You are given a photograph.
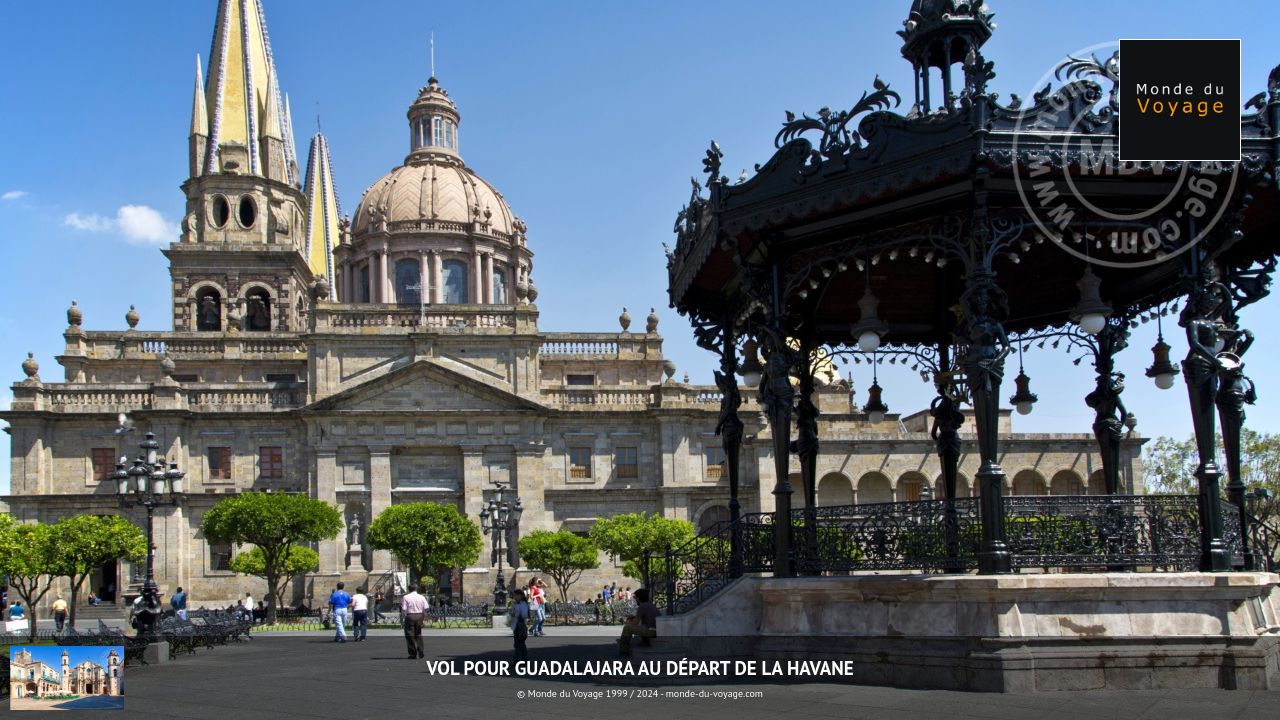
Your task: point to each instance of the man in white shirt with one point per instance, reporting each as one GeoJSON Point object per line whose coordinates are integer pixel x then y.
{"type": "Point", "coordinates": [413, 608]}
{"type": "Point", "coordinates": [359, 614]}
{"type": "Point", "coordinates": [246, 607]}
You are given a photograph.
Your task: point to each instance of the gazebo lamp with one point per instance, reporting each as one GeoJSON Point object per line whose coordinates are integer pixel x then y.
{"type": "Point", "coordinates": [1092, 311]}
{"type": "Point", "coordinates": [1023, 399]}
{"type": "Point", "coordinates": [869, 328]}
{"type": "Point", "coordinates": [1161, 370]}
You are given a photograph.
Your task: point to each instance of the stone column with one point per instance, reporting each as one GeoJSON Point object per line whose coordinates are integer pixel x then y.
{"type": "Point", "coordinates": [487, 277]}
{"type": "Point", "coordinates": [384, 285]}
{"type": "Point", "coordinates": [332, 551]}
{"type": "Point", "coordinates": [477, 274]}
{"type": "Point", "coordinates": [379, 497]}
{"type": "Point", "coordinates": [477, 581]}
{"type": "Point", "coordinates": [424, 278]}
{"type": "Point", "coordinates": [437, 272]}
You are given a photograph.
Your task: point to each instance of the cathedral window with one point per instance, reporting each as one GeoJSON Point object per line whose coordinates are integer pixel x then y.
{"type": "Point", "coordinates": [625, 462]}
{"type": "Point", "coordinates": [104, 463]}
{"type": "Point", "coordinates": [258, 310]}
{"type": "Point", "coordinates": [437, 130]}
{"type": "Point", "coordinates": [715, 462]}
{"type": "Point", "coordinates": [580, 462]}
{"type": "Point", "coordinates": [449, 136]}
{"type": "Point", "coordinates": [208, 310]}
{"type": "Point", "coordinates": [408, 282]}
{"type": "Point", "coordinates": [246, 212]}
{"type": "Point", "coordinates": [572, 379]}
{"type": "Point", "coordinates": [271, 462]}
{"type": "Point", "coordinates": [219, 463]}
{"type": "Point", "coordinates": [454, 279]}
{"type": "Point", "coordinates": [220, 557]}
{"type": "Point", "coordinates": [221, 212]}
{"type": "Point", "coordinates": [499, 285]}
{"type": "Point", "coordinates": [362, 279]}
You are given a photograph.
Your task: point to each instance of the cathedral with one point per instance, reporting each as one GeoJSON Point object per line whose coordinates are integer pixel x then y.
{"type": "Point", "coordinates": [394, 356]}
{"type": "Point", "coordinates": [29, 677]}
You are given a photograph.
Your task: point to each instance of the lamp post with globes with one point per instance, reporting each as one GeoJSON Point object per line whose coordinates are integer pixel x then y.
{"type": "Point", "coordinates": [149, 484]}
{"type": "Point", "coordinates": [499, 518]}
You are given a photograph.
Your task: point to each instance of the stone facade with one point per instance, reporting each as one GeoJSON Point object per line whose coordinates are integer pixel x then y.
{"type": "Point", "coordinates": [30, 678]}
{"type": "Point", "coordinates": [409, 366]}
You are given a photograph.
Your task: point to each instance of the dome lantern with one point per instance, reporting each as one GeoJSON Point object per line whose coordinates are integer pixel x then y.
{"type": "Point", "coordinates": [433, 122]}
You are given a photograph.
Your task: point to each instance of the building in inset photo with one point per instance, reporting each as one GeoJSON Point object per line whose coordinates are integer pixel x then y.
{"type": "Point", "coordinates": [66, 678]}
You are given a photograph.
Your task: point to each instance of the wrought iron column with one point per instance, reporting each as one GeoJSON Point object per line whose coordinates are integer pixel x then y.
{"type": "Point", "coordinates": [777, 396]}
{"type": "Point", "coordinates": [985, 305]}
{"type": "Point", "coordinates": [729, 428]}
{"type": "Point", "coordinates": [1234, 391]}
{"type": "Point", "coordinates": [947, 419]}
{"type": "Point", "coordinates": [1109, 412]}
{"type": "Point", "coordinates": [1200, 369]}
{"type": "Point", "coordinates": [806, 449]}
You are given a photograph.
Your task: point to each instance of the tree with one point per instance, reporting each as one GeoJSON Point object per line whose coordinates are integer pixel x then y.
{"type": "Point", "coordinates": [84, 542]}
{"type": "Point", "coordinates": [1170, 465]}
{"type": "Point", "coordinates": [426, 537]}
{"type": "Point", "coordinates": [276, 523]}
{"type": "Point", "coordinates": [298, 560]}
{"type": "Point", "coordinates": [28, 553]}
{"type": "Point", "coordinates": [631, 536]}
{"type": "Point", "coordinates": [562, 555]}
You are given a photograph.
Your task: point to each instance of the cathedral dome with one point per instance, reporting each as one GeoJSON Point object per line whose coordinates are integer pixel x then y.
{"type": "Point", "coordinates": [432, 193]}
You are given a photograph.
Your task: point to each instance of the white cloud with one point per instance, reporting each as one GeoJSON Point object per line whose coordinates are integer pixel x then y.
{"type": "Point", "coordinates": [91, 223]}
{"type": "Point", "coordinates": [138, 224]}
{"type": "Point", "coordinates": [13, 195]}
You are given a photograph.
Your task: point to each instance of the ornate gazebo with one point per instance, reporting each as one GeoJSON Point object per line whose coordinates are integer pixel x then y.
{"type": "Point", "coordinates": [952, 237]}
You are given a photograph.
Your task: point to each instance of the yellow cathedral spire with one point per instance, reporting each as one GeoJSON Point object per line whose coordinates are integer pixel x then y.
{"type": "Point", "coordinates": [242, 97]}
{"type": "Point", "coordinates": [322, 211]}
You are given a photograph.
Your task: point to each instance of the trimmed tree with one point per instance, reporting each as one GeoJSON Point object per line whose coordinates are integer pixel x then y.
{"type": "Point", "coordinates": [276, 523]}
{"type": "Point", "coordinates": [298, 560]}
{"type": "Point", "coordinates": [28, 555]}
{"type": "Point", "coordinates": [631, 536]}
{"type": "Point", "coordinates": [426, 537]}
{"type": "Point", "coordinates": [85, 542]}
{"type": "Point", "coordinates": [562, 555]}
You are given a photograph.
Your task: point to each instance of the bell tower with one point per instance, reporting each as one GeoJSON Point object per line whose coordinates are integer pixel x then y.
{"type": "Point", "coordinates": [240, 263]}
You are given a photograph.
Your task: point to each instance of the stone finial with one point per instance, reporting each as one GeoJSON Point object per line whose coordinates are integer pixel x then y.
{"type": "Point", "coordinates": [651, 324]}
{"type": "Point", "coordinates": [533, 292]}
{"type": "Point", "coordinates": [686, 378]}
{"type": "Point", "coordinates": [669, 367]}
{"type": "Point", "coordinates": [132, 317]}
{"type": "Point", "coordinates": [167, 365]}
{"type": "Point", "coordinates": [522, 290]}
{"type": "Point", "coordinates": [31, 367]}
{"type": "Point", "coordinates": [624, 319]}
{"type": "Point", "coordinates": [320, 289]}
{"type": "Point", "coordinates": [74, 315]}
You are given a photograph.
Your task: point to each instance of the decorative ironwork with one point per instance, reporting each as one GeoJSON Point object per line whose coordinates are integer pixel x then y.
{"type": "Point", "coordinates": [690, 574]}
{"type": "Point", "coordinates": [890, 536]}
{"type": "Point", "coordinates": [837, 138]}
{"type": "Point", "coordinates": [1147, 532]}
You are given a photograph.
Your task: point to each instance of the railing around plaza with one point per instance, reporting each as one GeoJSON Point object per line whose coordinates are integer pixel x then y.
{"type": "Point", "coordinates": [578, 613]}
{"type": "Point", "coordinates": [1144, 533]}
{"type": "Point", "coordinates": [1264, 543]}
{"type": "Point", "coordinates": [457, 615]}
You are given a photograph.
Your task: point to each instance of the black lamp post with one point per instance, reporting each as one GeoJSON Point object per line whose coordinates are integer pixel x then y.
{"type": "Point", "coordinates": [148, 484]}
{"type": "Point", "coordinates": [499, 518]}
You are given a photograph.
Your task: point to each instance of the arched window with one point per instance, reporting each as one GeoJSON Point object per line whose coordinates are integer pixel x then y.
{"type": "Point", "coordinates": [208, 310]}
{"type": "Point", "coordinates": [450, 139]}
{"type": "Point", "coordinates": [437, 130]}
{"type": "Point", "coordinates": [257, 314]}
{"type": "Point", "coordinates": [499, 285]}
{"type": "Point", "coordinates": [1029, 482]}
{"type": "Point", "coordinates": [711, 517]}
{"type": "Point", "coordinates": [1066, 482]}
{"type": "Point", "coordinates": [835, 489]}
{"type": "Point", "coordinates": [874, 488]}
{"type": "Point", "coordinates": [909, 486]}
{"type": "Point", "coordinates": [454, 278]}
{"type": "Point", "coordinates": [408, 282]}
{"type": "Point", "coordinates": [362, 282]}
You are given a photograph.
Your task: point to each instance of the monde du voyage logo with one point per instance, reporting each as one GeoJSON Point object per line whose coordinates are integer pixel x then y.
{"type": "Point", "coordinates": [1172, 114]}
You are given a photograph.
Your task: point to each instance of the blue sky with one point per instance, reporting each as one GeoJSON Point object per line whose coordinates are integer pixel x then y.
{"type": "Point", "coordinates": [588, 117]}
{"type": "Point", "coordinates": [51, 655]}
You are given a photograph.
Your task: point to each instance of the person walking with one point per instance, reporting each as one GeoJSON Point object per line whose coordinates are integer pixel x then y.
{"type": "Point", "coordinates": [59, 613]}
{"type": "Point", "coordinates": [246, 607]}
{"type": "Point", "coordinates": [413, 608]}
{"type": "Point", "coordinates": [339, 601]}
{"type": "Point", "coordinates": [360, 615]}
{"type": "Point", "coordinates": [519, 618]}
{"type": "Point", "coordinates": [378, 599]}
{"type": "Point", "coordinates": [179, 603]}
{"type": "Point", "coordinates": [537, 605]}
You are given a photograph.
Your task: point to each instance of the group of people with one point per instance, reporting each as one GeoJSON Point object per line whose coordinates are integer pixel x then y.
{"type": "Point", "coordinates": [343, 604]}
{"type": "Point", "coordinates": [528, 612]}
{"type": "Point", "coordinates": [611, 593]}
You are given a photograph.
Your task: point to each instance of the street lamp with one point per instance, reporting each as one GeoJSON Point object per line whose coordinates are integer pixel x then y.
{"type": "Point", "coordinates": [499, 518]}
{"type": "Point", "coordinates": [148, 484]}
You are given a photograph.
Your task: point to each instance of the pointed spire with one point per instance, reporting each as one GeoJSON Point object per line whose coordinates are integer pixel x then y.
{"type": "Point", "coordinates": [322, 211]}
{"type": "Point", "coordinates": [199, 117]}
{"type": "Point", "coordinates": [242, 97]}
{"type": "Point", "coordinates": [290, 147]}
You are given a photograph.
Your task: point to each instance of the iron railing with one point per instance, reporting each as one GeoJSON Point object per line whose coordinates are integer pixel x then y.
{"type": "Point", "coordinates": [1075, 533]}
{"type": "Point", "coordinates": [1264, 543]}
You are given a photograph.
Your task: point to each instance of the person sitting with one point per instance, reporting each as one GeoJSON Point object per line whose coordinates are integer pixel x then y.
{"type": "Point", "coordinates": [644, 623]}
{"type": "Point", "coordinates": [17, 612]}
{"type": "Point", "coordinates": [93, 599]}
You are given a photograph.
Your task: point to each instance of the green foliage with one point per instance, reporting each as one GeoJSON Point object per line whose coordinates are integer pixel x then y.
{"type": "Point", "coordinates": [562, 555]}
{"type": "Point", "coordinates": [1169, 465]}
{"type": "Point", "coordinates": [84, 542]}
{"type": "Point", "coordinates": [275, 522]}
{"type": "Point", "coordinates": [630, 536]}
{"type": "Point", "coordinates": [29, 557]}
{"type": "Point", "coordinates": [298, 560]}
{"type": "Point", "coordinates": [427, 537]}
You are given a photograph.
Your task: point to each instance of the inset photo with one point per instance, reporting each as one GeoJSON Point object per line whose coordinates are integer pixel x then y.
{"type": "Point", "coordinates": [53, 677]}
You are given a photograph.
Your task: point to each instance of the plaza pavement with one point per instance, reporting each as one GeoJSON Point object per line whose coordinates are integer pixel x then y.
{"type": "Point", "coordinates": [308, 676]}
